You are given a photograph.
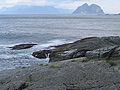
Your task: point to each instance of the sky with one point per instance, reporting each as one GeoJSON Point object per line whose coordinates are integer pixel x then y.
{"type": "Point", "coordinates": [109, 6]}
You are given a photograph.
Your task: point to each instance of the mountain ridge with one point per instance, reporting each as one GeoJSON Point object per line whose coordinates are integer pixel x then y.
{"type": "Point", "coordinates": [25, 9]}
{"type": "Point", "coordinates": [85, 9]}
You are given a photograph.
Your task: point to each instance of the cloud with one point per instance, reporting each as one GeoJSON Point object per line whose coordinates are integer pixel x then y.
{"type": "Point", "coordinates": [71, 4]}
{"type": "Point", "coordinates": [23, 2]}
{"type": "Point", "coordinates": [109, 6]}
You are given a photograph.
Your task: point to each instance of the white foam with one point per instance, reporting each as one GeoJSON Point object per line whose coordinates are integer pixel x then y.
{"type": "Point", "coordinates": [14, 58]}
{"type": "Point", "coordinates": [50, 43]}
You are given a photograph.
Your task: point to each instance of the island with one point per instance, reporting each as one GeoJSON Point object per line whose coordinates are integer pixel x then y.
{"type": "Point", "coordinates": [86, 9]}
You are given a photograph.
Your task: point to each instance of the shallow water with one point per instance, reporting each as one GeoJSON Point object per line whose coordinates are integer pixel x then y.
{"type": "Point", "coordinates": [47, 30]}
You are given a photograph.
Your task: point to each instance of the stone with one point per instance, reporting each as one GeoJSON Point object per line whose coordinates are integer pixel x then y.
{"type": "Point", "coordinates": [79, 48]}
{"type": "Point", "coordinates": [74, 75]}
{"type": "Point", "coordinates": [17, 85]}
{"type": "Point", "coordinates": [41, 54]}
{"type": "Point", "coordinates": [22, 46]}
{"type": "Point", "coordinates": [106, 52]}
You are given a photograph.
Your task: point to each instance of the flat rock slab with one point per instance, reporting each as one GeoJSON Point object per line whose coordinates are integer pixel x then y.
{"type": "Point", "coordinates": [64, 75]}
{"type": "Point", "coordinates": [22, 46]}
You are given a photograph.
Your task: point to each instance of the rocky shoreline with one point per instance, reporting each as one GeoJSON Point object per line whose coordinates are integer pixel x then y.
{"type": "Point", "coordinates": [87, 64]}
{"type": "Point", "coordinates": [92, 47]}
{"type": "Point", "coordinates": [73, 74]}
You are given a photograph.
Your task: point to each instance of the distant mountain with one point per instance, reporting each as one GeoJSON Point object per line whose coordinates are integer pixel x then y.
{"type": "Point", "coordinates": [23, 9]}
{"type": "Point", "coordinates": [86, 9]}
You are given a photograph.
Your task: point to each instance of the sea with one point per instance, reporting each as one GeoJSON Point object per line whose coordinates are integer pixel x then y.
{"type": "Point", "coordinates": [48, 30]}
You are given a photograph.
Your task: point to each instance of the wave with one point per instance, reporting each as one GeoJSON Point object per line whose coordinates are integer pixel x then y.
{"type": "Point", "coordinates": [10, 59]}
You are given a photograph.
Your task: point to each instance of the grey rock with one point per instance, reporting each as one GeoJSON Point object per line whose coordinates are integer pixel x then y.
{"type": "Point", "coordinates": [22, 46]}
{"type": "Point", "coordinates": [17, 85]}
{"type": "Point", "coordinates": [100, 53]}
{"type": "Point", "coordinates": [95, 75]}
{"type": "Point", "coordinates": [106, 52]}
{"type": "Point", "coordinates": [79, 48]}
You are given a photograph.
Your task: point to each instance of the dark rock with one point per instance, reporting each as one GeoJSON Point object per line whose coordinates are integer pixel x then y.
{"type": "Point", "coordinates": [106, 52]}
{"type": "Point", "coordinates": [17, 85]}
{"type": "Point", "coordinates": [100, 53]}
{"type": "Point", "coordinates": [22, 46]}
{"type": "Point", "coordinates": [59, 55]}
{"type": "Point", "coordinates": [41, 54]}
{"type": "Point", "coordinates": [79, 48]}
{"type": "Point", "coordinates": [114, 53]}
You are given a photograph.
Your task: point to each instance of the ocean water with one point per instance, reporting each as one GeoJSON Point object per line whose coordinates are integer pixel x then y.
{"type": "Point", "coordinates": [48, 30]}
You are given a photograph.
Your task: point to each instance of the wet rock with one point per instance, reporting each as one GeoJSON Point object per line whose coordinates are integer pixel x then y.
{"type": "Point", "coordinates": [41, 54]}
{"type": "Point", "coordinates": [99, 53]}
{"type": "Point", "coordinates": [79, 48]}
{"type": "Point", "coordinates": [22, 46]}
{"type": "Point", "coordinates": [59, 55]}
{"type": "Point", "coordinates": [116, 53]}
{"type": "Point", "coordinates": [106, 52]}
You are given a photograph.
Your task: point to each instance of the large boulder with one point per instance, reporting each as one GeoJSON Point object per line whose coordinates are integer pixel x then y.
{"type": "Point", "coordinates": [22, 46]}
{"type": "Point", "coordinates": [59, 55]}
{"type": "Point", "coordinates": [78, 49]}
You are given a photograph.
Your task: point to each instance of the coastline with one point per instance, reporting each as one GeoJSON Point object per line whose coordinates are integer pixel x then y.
{"type": "Point", "coordinates": [10, 59]}
{"type": "Point", "coordinates": [90, 47]}
{"type": "Point", "coordinates": [71, 73]}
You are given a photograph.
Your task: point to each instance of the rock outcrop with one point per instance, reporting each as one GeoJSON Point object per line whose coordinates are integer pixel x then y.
{"type": "Point", "coordinates": [79, 48]}
{"type": "Point", "coordinates": [71, 74]}
{"type": "Point", "coordinates": [22, 46]}
{"type": "Point", "coordinates": [85, 9]}
{"type": "Point", "coordinates": [106, 52]}
{"type": "Point", "coordinates": [64, 75]}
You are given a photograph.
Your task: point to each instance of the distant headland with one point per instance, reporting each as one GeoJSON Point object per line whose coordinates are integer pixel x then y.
{"type": "Point", "coordinates": [86, 9]}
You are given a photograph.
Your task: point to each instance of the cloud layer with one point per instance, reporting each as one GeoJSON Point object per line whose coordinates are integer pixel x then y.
{"type": "Point", "coordinates": [109, 6]}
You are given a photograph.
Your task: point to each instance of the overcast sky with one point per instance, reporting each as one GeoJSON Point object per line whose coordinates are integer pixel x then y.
{"type": "Point", "coordinates": [109, 6]}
